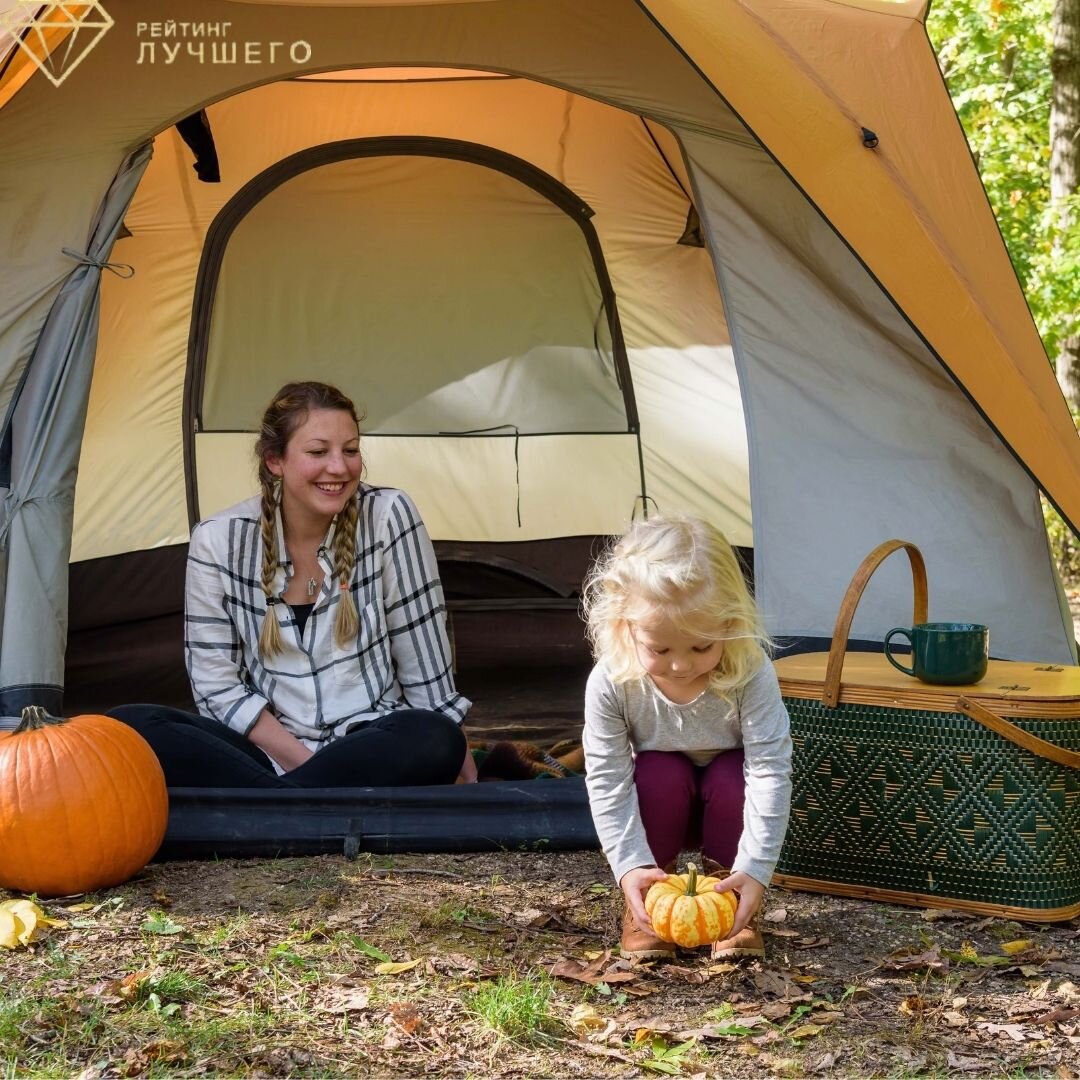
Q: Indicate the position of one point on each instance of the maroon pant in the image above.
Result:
(684, 805)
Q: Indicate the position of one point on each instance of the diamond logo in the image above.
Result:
(57, 37)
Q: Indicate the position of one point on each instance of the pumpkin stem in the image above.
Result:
(691, 879)
(34, 717)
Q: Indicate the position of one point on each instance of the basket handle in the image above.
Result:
(982, 715)
(831, 691)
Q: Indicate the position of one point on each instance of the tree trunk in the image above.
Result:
(1065, 155)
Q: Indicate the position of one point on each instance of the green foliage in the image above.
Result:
(516, 1008)
(1064, 545)
(995, 55)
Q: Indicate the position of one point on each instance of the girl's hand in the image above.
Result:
(635, 884)
(750, 892)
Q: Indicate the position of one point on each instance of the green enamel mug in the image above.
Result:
(946, 653)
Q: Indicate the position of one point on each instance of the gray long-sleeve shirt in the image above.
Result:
(627, 718)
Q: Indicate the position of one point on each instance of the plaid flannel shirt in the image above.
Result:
(317, 688)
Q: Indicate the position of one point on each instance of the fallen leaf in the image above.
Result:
(368, 949)
(11, 930)
(821, 1063)
(779, 931)
(128, 986)
(914, 1060)
(733, 1029)
(20, 922)
(1056, 1016)
(966, 1064)
(912, 1005)
(405, 1015)
(454, 963)
(938, 914)
(786, 1067)
(776, 915)
(395, 969)
(347, 1000)
(776, 1010)
(806, 979)
(584, 1018)
(74, 908)
(779, 985)
(1011, 948)
(1014, 1031)
(955, 1019)
(691, 975)
(165, 1050)
(905, 960)
(806, 1031)
(605, 1051)
(593, 972)
(812, 942)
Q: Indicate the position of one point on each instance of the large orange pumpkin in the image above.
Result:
(687, 909)
(83, 804)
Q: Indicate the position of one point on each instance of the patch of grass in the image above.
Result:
(45, 1035)
(516, 1008)
(453, 913)
(172, 987)
(234, 929)
(1008, 931)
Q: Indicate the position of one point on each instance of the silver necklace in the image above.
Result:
(311, 584)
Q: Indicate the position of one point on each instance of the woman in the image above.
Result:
(315, 632)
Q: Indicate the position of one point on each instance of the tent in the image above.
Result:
(578, 261)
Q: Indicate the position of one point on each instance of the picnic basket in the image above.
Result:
(963, 797)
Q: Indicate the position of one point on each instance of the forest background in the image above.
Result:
(1013, 70)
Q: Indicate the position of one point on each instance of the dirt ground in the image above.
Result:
(505, 965)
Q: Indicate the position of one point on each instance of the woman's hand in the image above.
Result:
(635, 884)
(468, 767)
(271, 736)
(750, 892)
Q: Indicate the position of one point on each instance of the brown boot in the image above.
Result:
(638, 944)
(748, 941)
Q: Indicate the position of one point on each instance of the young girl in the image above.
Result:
(686, 736)
(315, 627)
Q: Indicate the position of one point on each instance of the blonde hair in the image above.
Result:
(283, 416)
(684, 570)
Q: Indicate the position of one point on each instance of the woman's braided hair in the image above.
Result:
(283, 416)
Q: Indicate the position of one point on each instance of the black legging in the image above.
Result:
(405, 747)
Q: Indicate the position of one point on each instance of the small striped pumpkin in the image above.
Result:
(687, 909)
(83, 804)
